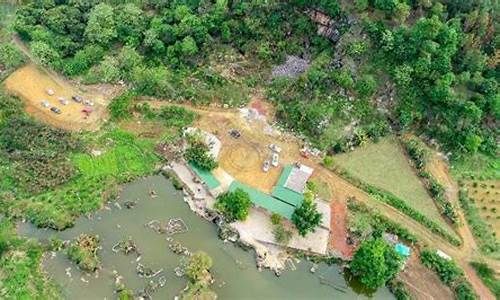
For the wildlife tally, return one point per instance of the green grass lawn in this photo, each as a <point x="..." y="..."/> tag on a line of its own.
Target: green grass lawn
<point x="385" y="166"/>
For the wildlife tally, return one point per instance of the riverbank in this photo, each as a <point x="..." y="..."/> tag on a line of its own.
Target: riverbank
<point x="234" y="268"/>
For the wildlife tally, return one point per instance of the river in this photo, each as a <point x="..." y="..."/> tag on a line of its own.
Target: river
<point x="232" y="266"/>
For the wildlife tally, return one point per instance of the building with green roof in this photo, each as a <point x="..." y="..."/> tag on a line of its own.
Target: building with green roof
<point x="264" y="200"/>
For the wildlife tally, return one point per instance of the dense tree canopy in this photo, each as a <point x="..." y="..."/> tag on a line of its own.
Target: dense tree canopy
<point x="234" y="205"/>
<point x="375" y="262"/>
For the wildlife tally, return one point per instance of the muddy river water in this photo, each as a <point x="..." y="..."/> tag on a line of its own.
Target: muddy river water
<point x="234" y="269"/>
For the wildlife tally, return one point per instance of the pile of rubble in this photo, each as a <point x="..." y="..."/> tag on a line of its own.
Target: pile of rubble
<point x="293" y="67"/>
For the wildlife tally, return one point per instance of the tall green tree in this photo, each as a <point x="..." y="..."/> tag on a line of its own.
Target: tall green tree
<point x="375" y="262"/>
<point x="234" y="205"/>
<point x="306" y="217"/>
<point x="101" y="27"/>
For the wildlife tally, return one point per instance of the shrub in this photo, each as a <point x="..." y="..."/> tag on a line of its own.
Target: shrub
<point x="401" y="205"/>
<point x="198" y="154"/>
<point x="328" y="161"/>
<point x="276" y="219"/>
<point x="10" y="56"/>
<point x="176" y="116"/>
<point x="120" y="107"/>
<point x="83" y="60"/>
<point x="281" y="234"/>
<point x="399" y="290"/>
<point x="84" y="252"/>
<point x="234" y="205"/>
<point x="197" y="266"/>
<point x="366" y="86"/>
<point x="46" y="55"/>
<point x="487" y="275"/>
<point x="417" y="152"/>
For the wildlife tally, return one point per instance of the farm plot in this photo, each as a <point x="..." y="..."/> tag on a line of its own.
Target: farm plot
<point x="31" y="83"/>
<point x="384" y="165"/>
<point x="486" y="195"/>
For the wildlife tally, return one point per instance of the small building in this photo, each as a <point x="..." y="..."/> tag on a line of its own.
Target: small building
<point x="291" y="184"/>
<point x="443" y="255"/>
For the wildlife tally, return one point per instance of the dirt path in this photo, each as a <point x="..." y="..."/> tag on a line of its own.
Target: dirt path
<point x="338" y="226"/>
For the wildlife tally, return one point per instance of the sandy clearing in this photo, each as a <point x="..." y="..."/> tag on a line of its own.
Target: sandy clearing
<point x="30" y="83"/>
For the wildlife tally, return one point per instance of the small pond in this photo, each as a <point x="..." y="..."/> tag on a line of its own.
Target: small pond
<point x="232" y="266"/>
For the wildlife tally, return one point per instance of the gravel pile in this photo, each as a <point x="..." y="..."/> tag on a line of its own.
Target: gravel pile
<point x="293" y="67"/>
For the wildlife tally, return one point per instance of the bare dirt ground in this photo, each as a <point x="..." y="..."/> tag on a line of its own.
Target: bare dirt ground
<point x="423" y="283"/>
<point x="243" y="157"/>
<point x="219" y="121"/>
<point x="30" y="83"/>
<point x="338" y="225"/>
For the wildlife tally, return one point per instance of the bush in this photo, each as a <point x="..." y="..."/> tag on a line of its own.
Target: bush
<point x="281" y="234"/>
<point x="83" y="252"/>
<point x="120" y="107"/>
<point x="10" y="56"/>
<point x="46" y="55"/>
<point x="176" y="116"/>
<point x="488" y="276"/>
<point x="198" y="154"/>
<point x="197" y="266"/>
<point x="366" y="86"/>
<point x="276" y="219"/>
<point x="417" y="152"/>
<point x="234" y="205"/>
<point x="83" y="60"/>
<point x="380" y="222"/>
<point x="328" y="161"/>
<point x="399" y="290"/>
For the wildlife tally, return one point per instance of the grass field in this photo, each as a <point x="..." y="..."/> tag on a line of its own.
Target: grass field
<point x="385" y="166"/>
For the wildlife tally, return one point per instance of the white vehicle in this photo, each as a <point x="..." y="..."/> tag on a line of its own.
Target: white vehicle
<point x="63" y="100"/>
<point x="275" y="160"/>
<point x="88" y="103"/>
<point x="45" y="103"/>
<point x="50" y="92"/>
<point x="275" y="148"/>
<point x="265" y="167"/>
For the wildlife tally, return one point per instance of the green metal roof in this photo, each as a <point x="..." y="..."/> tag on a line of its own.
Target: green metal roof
<point x="284" y="175"/>
<point x="287" y="195"/>
<point x="264" y="200"/>
<point x="206" y="176"/>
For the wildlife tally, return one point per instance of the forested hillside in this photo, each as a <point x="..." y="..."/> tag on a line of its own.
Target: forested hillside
<point x="439" y="56"/>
